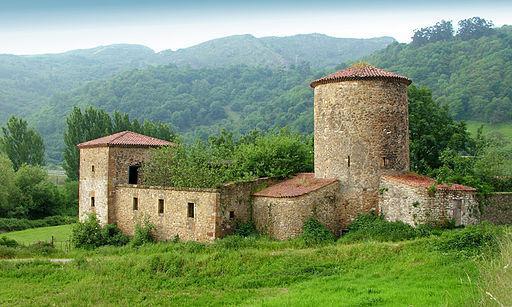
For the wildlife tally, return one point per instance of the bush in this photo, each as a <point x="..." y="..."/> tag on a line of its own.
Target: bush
<point x="471" y="240"/>
<point x="314" y="233"/>
<point x="89" y="234"/>
<point x="13" y="224"/>
<point x="246" y="229"/>
<point x="4" y="241"/>
<point x="373" y="227"/>
<point x="112" y="235"/>
<point x="41" y="248"/>
<point x="143" y="234"/>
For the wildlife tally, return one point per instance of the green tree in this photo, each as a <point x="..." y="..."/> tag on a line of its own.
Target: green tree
<point x="82" y="126"/>
<point x="7" y="186"/>
<point x="432" y="131"/>
<point x="22" y="144"/>
<point x="36" y="196"/>
<point x="474" y="27"/>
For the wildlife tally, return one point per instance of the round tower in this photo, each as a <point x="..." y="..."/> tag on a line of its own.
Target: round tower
<point x="361" y="131"/>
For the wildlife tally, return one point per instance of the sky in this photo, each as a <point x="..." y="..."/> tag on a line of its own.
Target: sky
<point x="52" y="26"/>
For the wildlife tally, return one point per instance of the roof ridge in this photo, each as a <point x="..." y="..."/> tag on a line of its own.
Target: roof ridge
<point x="121" y="134"/>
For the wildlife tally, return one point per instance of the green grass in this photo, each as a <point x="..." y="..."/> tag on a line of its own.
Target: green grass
<point x="503" y="128"/>
<point x="29" y="236"/>
<point x="236" y="271"/>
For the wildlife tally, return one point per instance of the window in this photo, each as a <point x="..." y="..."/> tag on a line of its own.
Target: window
<point x="191" y="209"/>
<point x="92" y="168"/>
<point x="135" y="204"/>
<point x="133" y="174"/>
<point x="386" y="162"/>
<point x="161" y="206"/>
<point x="231" y="215"/>
<point x="92" y="202"/>
<point x="348" y="161"/>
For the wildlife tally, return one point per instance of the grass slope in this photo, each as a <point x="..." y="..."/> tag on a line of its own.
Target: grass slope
<point x="29" y="236"/>
<point x="504" y="128"/>
<point x="247" y="271"/>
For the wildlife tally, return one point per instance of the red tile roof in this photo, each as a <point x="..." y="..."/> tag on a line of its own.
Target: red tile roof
<point x="416" y="180"/>
<point x="359" y="72"/>
<point x="125" y="139"/>
<point x="301" y="184"/>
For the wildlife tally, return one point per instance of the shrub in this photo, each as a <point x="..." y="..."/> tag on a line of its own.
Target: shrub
<point x="314" y="233"/>
<point x="4" y="241"/>
<point x="246" y="229"/>
<point x="143" y="233"/>
<point x="41" y="248"/>
<point x="112" y="235"/>
<point x="471" y="240"/>
<point x="89" y="234"/>
<point x="13" y="224"/>
<point x="7" y="252"/>
<point x="373" y="227"/>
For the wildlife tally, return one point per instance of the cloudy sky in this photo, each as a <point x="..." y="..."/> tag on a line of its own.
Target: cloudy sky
<point x="48" y="26"/>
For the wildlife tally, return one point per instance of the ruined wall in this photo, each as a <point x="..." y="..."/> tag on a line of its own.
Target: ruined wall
<point x="236" y="203"/>
<point x="174" y="221"/>
<point x="93" y="183"/>
<point x="416" y="205"/>
<point x="361" y="129"/>
<point x="283" y="218"/>
<point x="497" y="208"/>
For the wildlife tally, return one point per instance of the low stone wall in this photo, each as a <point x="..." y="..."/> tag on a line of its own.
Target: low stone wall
<point x="415" y="205"/>
<point x="236" y="203"/>
<point x="174" y="221"/>
<point x="283" y="218"/>
<point x="497" y="208"/>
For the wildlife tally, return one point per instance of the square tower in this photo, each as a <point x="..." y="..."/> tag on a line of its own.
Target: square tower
<point x="107" y="162"/>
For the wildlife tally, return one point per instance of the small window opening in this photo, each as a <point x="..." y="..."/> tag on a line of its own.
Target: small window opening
<point x="160" y="206"/>
<point x="191" y="209"/>
<point x="92" y="168"/>
<point x="231" y="215"/>
<point x="92" y="202"/>
<point x="348" y="161"/>
<point x="135" y="204"/>
<point x="133" y="174"/>
<point x="385" y="162"/>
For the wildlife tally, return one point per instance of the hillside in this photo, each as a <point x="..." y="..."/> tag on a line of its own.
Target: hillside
<point x="473" y="77"/>
<point x="193" y="101"/>
<point x="27" y="82"/>
<point x="319" y="50"/>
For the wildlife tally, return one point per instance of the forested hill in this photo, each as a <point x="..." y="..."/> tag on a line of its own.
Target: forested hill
<point x="193" y="101"/>
<point x="318" y="50"/>
<point x="471" y="75"/>
<point x="26" y="82"/>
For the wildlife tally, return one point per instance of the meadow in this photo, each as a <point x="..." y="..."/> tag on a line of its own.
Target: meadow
<point x="504" y="129"/>
<point x="255" y="271"/>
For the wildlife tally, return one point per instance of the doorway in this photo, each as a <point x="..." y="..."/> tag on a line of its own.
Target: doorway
<point x="133" y="174"/>
<point x="457" y="211"/>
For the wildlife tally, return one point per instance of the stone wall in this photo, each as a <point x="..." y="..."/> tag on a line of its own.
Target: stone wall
<point x="283" y="218"/>
<point x="497" y="208"/>
<point x="120" y="159"/>
<point x="361" y="130"/>
<point x="416" y="205"/>
<point x="174" y="221"/>
<point x="236" y="203"/>
<point x="93" y="182"/>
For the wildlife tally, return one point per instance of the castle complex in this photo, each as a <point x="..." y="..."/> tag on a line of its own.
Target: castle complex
<point x="361" y="165"/>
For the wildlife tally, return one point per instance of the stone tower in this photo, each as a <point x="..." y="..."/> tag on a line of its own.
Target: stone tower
<point x="107" y="162"/>
<point x="361" y="130"/>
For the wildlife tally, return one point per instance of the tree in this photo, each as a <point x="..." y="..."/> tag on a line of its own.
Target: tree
<point x="432" y="131"/>
<point x="23" y="145"/>
<point x="6" y="186"/>
<point x="442" y="30"/>
<point x="474" y="27"/>
<point x="81" y="127"/>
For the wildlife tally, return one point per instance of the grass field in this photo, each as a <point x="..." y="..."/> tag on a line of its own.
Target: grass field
<point x="29" y="236"/>
<point x="243" y="271"/>
<point x="503" y="128"/>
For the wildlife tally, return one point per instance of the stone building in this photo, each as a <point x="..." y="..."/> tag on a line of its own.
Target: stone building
<point x="361" y="165"/>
